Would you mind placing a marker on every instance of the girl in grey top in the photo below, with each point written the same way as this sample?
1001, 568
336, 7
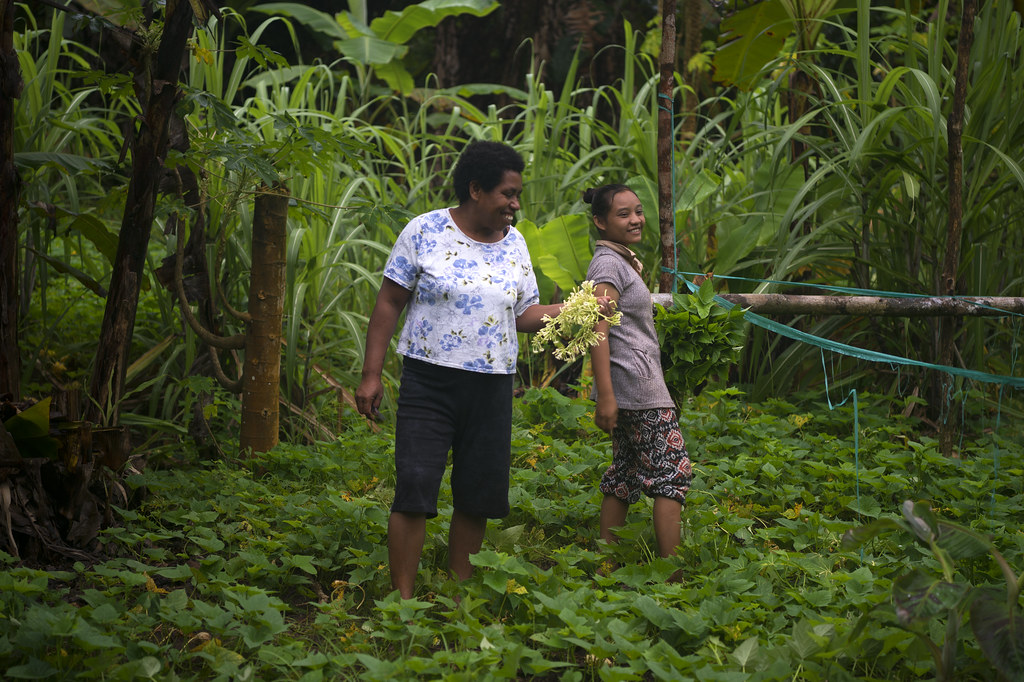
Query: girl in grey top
633, 403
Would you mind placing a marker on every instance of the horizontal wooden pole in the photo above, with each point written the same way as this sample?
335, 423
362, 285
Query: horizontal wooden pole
870, 306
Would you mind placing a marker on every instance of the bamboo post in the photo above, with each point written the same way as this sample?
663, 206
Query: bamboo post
262, 370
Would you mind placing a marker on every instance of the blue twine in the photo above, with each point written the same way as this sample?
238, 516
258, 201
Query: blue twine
893, 360
860, 353
856, 425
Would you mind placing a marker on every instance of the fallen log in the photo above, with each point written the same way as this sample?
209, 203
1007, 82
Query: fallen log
870, 306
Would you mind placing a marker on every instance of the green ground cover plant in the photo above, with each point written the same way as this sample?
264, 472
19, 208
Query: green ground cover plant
276, 568
698, 338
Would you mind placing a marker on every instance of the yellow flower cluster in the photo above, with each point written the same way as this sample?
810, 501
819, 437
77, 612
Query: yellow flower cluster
573, 331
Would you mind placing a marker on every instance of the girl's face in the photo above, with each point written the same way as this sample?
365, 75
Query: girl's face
624, 222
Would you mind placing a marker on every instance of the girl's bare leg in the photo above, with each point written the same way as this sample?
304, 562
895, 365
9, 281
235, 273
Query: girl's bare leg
667, 525
613, 515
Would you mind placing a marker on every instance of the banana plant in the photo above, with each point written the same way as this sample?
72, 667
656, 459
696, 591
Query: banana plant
380, 44
561, 250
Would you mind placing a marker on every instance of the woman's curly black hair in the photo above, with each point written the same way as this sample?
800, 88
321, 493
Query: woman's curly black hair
484, 163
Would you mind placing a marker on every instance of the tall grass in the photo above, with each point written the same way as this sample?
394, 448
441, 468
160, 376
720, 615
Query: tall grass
66, 142
865, 206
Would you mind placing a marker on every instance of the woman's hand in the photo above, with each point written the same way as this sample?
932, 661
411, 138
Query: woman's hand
606, 414
368, 397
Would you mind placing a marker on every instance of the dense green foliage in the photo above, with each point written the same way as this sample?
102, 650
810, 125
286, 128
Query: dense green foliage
277, 569
851, 194
699, 339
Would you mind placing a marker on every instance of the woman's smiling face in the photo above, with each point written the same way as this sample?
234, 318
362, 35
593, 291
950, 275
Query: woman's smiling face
498, 206
624, 222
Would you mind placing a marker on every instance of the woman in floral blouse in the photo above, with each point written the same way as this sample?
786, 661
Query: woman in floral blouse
465, 277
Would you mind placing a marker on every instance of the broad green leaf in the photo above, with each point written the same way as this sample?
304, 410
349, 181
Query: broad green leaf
399, 27
105, 613
749, 40
472, 89
354, 26
176, 600
1000, 632
819, 598
745, 653
921, 519
918, 596
145, 668
35, 669
65, 268
96, 231
855, 537
30, 430
91, 639
312, 18
205, 538
30, 423
803, 643
698, 189
867, 506
70, 163
370, 50
561, 249
773, 190
303, 562
396, 76
962, 542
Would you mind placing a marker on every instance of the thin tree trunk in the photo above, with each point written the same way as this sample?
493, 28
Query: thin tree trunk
10, 190
666, 106
262, 377
949, 423
149, 148
446, 53
692, 24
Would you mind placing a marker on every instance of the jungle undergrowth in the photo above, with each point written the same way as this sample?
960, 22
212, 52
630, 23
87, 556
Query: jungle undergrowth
276, 567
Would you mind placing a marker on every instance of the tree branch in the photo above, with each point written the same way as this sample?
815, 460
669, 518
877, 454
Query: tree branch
870, 306
235, 342
232, 385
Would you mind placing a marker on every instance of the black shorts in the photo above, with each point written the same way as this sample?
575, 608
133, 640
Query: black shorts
469, 413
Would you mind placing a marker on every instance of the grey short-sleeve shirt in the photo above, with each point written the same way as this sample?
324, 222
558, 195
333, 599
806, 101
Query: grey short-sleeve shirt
635, 354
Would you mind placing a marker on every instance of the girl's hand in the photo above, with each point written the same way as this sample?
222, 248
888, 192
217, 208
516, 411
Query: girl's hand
606, 415
607, 304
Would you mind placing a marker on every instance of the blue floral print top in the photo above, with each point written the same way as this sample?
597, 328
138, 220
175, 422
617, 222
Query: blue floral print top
466, 295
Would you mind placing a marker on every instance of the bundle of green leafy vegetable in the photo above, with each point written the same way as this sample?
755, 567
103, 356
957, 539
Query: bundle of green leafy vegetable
698, 338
